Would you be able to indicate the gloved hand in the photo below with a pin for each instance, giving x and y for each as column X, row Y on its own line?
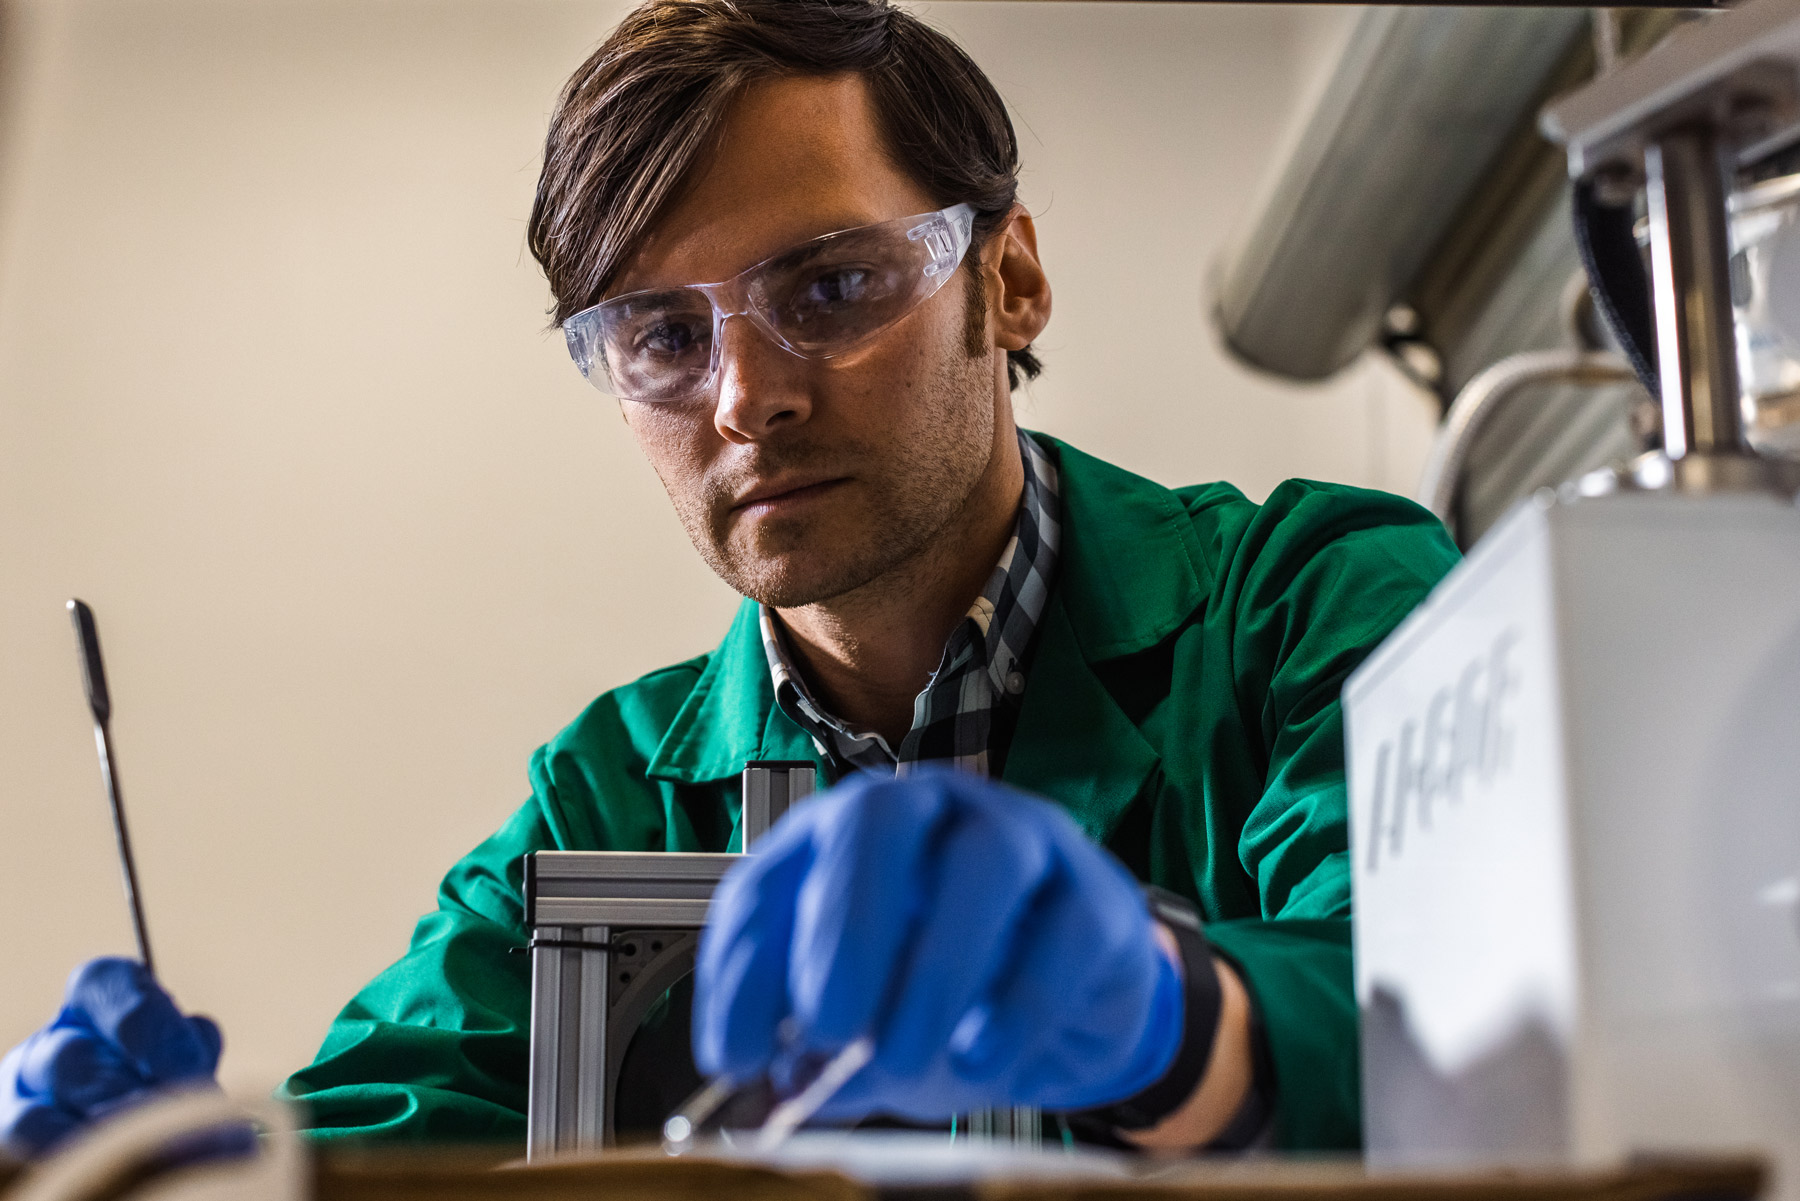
column 118, row 1036
column 997, row 956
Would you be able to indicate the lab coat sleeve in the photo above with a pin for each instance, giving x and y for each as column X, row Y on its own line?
column 1318, row 579
column 436, row 1046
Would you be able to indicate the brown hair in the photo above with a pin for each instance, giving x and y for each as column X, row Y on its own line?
column 644, row 107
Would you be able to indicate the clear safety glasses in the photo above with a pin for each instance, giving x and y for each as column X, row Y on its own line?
column 818, row 299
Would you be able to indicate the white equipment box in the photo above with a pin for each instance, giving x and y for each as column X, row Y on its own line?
column 1575, row 815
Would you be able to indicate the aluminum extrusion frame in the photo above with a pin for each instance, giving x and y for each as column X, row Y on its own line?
column 632, row 923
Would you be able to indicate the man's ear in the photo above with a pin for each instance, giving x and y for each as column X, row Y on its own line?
column 1018, row 289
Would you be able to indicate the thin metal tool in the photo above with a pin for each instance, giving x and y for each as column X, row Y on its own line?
column 792, row 1113
column 93, row 676
column 682, row 1130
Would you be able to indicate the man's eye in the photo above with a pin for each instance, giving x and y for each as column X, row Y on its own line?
column 668, row 337
column 835, row 288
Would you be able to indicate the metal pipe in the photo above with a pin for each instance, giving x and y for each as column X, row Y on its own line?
column 1487, row 394
column 1690, row 255
column 1417, row 108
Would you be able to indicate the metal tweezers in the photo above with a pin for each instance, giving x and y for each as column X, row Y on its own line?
column 682, row 1130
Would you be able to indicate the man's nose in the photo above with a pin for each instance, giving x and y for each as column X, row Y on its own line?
column 761, row 386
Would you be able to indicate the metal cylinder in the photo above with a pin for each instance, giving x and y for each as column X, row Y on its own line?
column 1417, row 107
column 1690, row 255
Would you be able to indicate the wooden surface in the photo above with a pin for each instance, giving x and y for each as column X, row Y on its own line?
column 464, row 1175
column 418, row 1178
column 1297, row 1180
column 642, row 1179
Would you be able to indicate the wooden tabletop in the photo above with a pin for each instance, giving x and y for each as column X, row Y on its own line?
column 485, row 1175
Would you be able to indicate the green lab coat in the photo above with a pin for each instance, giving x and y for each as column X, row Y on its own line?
column 1182, row 704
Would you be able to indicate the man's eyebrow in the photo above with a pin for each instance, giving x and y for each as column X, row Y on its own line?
column 804, row 242
column 826, row 230
column 809, row 249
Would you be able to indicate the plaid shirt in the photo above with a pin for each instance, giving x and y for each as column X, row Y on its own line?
column 965, row 714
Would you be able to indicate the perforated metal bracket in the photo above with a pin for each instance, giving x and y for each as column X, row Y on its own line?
column 637, row 918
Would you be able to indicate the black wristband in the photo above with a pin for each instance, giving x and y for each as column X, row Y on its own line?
column 1201, row 1004
column 1253, row 1124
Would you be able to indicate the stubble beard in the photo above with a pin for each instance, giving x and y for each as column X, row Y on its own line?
column 912, row 491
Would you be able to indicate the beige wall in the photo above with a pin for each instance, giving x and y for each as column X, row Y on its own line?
column 275, row 396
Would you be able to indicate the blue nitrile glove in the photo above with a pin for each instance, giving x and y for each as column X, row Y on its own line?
column 118, row 1036
column 997, row 955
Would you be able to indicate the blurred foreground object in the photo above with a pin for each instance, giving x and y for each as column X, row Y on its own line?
column 1574, row 769
column 142, row 1152
column 117, row 1039
column 996, row 955
column 867, row 1166
column 1576, row 844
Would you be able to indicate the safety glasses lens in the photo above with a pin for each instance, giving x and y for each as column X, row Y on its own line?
column 819, row 299
column 825, row 299
column 657, row 346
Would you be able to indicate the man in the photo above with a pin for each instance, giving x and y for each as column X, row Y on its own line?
column 784, row 234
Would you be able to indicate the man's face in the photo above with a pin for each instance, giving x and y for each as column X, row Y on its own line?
column 802, row 480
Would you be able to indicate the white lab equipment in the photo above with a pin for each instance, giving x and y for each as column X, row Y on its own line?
column 1575, row 793
column 1575, row 770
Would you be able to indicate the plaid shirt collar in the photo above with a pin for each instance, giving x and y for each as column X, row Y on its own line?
column 981, row 676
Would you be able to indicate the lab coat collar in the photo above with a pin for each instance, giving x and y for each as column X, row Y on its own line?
column 731, row 716
column 1132, row 569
